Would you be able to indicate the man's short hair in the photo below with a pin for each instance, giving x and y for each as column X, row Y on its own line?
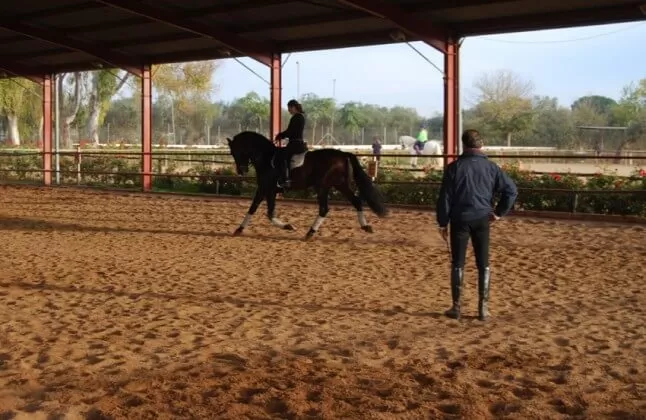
column 471, row 139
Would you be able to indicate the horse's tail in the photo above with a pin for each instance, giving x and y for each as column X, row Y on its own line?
column 367, row 190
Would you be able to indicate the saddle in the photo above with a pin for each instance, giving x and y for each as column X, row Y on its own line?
column 297, row 160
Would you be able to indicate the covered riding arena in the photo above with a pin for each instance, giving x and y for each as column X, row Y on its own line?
column 140, row 305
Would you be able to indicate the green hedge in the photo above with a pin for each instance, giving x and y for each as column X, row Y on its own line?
column 602, row 193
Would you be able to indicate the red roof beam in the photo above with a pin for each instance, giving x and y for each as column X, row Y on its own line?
column 257, row 50
column 111, row 58
column 434, row 35
column 18, row 70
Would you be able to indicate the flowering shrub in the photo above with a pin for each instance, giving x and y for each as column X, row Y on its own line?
column 603, row 193
column 568, row 192
column 543, row 191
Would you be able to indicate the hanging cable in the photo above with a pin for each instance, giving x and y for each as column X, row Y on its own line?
column 425, row 58
column 286, row 58
column 251, row 70
column 33, row 92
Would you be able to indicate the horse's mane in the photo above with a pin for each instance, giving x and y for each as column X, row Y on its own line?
column 255, row 139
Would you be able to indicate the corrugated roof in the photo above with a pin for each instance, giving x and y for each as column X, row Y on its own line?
column 49, row 36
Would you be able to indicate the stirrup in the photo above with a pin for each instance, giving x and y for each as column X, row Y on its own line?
column 284, row 184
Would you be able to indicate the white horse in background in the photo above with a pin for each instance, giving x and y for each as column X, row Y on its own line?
column 431, row 147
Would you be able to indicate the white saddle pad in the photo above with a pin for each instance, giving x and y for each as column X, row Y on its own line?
column 297, row 160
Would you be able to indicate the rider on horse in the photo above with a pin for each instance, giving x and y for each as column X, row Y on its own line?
column 422, row 138
column 295, row 145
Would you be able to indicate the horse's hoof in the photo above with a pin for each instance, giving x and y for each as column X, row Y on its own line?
column 238, row 231
column 367, row 228
column 289, row 227
column 310, row 234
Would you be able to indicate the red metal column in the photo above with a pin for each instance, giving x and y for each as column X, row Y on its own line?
column 146, row 129
column 451, row 103
column 276, row 88
column 47, row 129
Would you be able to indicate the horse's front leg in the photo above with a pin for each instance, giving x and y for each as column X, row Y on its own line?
column 413, row 159
column 255, row 202
column 271, row 211
column 322, row 198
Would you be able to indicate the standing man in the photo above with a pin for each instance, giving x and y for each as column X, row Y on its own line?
column 465, row 201
column 376, row 149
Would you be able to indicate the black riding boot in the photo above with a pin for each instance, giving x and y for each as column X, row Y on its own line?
column 282, row 170
column 287, row 183
column 484, row 276
column 457, row 275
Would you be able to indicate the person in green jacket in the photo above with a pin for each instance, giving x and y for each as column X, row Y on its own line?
column 422, row 138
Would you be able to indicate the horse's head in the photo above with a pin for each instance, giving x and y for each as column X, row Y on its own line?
column 248, row 148
column 406, row 141
column 241, row 155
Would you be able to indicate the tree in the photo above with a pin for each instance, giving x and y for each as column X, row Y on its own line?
column 553, row 125
column 317, row 110
column 123, row 115
column 16, row 100
column 631, row 113
column 352, row 119
column 104, row 84
column 587, row 114
column 602, row 104
column 187, row 86
column 71, row 98
column 504, row 103
column 435, row 125
column 248, row 110
column 403, row 119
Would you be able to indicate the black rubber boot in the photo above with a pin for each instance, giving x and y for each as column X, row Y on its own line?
column 457, row 275
column 484, row 276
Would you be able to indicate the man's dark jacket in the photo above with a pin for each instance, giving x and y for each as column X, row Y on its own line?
column 468, row 189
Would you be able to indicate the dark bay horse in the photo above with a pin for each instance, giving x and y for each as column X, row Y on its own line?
column 322, row 169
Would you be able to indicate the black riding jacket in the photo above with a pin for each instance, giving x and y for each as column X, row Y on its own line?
column 295, row 128
column 468, row 189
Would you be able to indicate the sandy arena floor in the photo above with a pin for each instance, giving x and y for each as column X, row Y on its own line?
column 145, row 307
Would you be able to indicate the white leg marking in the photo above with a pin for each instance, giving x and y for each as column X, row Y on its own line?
column 246, row 221
column 277, row 222
column 317, row 223
column 362, row 219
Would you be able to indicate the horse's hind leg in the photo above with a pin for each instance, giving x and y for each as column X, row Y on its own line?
column 322, row 198
column 358, row 206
